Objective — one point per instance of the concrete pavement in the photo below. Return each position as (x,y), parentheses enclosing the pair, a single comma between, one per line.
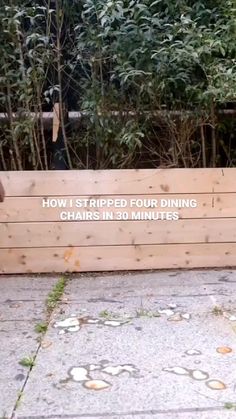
(136,345)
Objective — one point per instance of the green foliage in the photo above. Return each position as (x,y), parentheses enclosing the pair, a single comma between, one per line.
(230,406)
(125,56)
(55,295)
(41,328)
(217,311)
(106,314)
(27,362)
(141,312)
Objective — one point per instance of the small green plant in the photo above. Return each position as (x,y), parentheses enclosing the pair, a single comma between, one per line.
(19,398)
(141,312)
(217,311)
(41,328)
(230,406)
(27,362)
(106,314)
(55,295)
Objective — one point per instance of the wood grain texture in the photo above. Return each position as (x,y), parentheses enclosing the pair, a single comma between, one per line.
(114,182)
(109,258)
(34,239)
(27,209)
(120,233)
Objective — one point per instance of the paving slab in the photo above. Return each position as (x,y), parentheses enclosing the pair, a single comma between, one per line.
(21,307)
(112,350)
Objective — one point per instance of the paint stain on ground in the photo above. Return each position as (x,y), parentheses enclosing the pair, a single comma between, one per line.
(79,374)
(197,375)
(113,323)
(116,370)
(192,352)
(70,324)
(224,350)
(174,314)
(231,317)
(216,385)
(167,311)
(74,324)
(177,370)
(83,374)
(96,384)
(177,317)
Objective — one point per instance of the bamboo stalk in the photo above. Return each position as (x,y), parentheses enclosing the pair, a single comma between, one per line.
(2,158)
(213,136)
(14,141)
(42,129)
(58,50)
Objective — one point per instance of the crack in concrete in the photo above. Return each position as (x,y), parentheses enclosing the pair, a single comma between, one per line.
(21,392)
(130,413)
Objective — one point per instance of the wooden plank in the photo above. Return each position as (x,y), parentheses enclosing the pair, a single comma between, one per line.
(33,239)
(113,182)
(109,258)
(18,209)
(120,233)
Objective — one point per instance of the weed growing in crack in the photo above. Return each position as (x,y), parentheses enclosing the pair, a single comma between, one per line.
(41,328)
(217,311)
(141,312)
(230,406)
(105,314)
(27,362)
(55,295)
(19,399)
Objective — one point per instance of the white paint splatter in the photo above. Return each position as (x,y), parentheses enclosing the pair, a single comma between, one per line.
(230,316)
(186,316)
(115,370)
(94,367)
(79,374)
(73,329)
(112,370)
(167,311)
(69,322)
(129,368)
(193,352)
(200,375)
(177,370)
(113,323)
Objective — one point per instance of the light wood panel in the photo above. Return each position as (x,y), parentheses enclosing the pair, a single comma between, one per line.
(117,233)
(114,182)
(111,258)
(33,239)
(21,209)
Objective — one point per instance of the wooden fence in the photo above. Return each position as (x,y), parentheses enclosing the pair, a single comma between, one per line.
(37,236)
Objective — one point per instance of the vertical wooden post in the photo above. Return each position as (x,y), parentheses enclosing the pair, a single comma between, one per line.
(55,122)
(2,192)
